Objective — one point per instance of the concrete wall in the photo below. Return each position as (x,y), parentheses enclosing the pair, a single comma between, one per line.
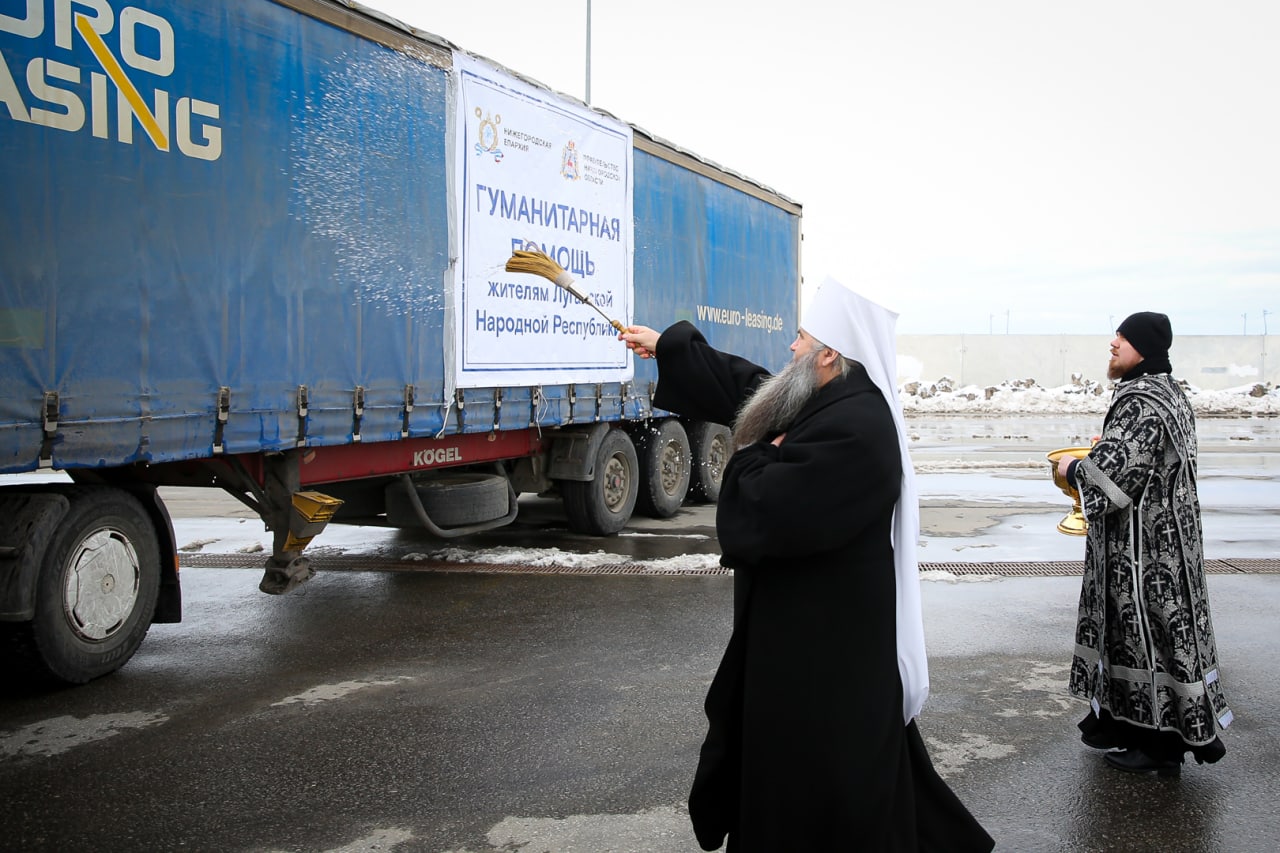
(1212,362)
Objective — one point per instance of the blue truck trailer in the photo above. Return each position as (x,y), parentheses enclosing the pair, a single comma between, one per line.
(258,245)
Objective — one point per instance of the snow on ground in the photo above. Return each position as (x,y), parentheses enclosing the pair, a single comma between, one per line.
(1083,396)
(556,558)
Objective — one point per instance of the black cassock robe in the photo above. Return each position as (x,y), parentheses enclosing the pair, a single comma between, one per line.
(806,747)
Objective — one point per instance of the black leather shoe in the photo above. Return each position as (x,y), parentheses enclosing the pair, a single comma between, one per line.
(1136,761)
(1098,741)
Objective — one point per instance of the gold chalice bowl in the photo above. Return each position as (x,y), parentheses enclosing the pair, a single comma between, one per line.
(1074,523)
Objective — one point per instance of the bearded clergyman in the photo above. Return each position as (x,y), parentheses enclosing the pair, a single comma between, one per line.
(812,742)
(1145,656)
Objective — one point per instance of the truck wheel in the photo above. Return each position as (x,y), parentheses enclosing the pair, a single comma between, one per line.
(710,446)
(603,505)
(97,589)
(663,451)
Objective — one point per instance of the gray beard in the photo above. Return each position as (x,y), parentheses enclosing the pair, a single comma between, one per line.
(777,401)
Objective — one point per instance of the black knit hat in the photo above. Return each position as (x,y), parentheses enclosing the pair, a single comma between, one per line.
(1149,332)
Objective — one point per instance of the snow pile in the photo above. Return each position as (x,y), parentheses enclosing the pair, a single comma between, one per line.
(556,558)
(1081,396)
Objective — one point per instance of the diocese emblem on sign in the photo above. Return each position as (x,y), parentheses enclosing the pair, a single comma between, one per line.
(569,162)
(489,143)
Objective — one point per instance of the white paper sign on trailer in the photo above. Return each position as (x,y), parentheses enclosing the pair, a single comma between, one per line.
(536,171)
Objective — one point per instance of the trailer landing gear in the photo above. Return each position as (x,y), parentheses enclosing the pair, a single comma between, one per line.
(307,515)
(284,574)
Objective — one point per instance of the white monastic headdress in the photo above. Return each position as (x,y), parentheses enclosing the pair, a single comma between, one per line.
(860,329)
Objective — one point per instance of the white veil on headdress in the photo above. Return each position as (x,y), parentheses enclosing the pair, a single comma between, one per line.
(860,329)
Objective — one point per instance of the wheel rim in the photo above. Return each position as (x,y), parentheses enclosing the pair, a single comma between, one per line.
(615,483)
(102,585)
(671,468)
(716,456)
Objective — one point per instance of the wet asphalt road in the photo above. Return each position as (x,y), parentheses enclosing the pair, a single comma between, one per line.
(426,711)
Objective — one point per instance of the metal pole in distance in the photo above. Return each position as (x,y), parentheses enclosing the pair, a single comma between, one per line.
(1262,357)
(588,96)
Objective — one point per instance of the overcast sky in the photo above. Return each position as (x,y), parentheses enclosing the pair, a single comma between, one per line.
(981,166)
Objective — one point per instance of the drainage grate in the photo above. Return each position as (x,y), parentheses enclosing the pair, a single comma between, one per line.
(380,563)
(615,569)
(1244,564)
(1008,569)
(226,561)
(1076,567)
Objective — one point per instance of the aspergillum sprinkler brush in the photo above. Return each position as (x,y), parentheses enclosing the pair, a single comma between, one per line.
(541,264)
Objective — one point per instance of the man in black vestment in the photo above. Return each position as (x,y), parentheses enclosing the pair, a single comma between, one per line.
(1145,656)
(812,742)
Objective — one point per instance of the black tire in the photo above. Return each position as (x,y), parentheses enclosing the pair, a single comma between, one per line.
(663,450)
(96,594)
(451,500)
(710,446)
(458,499)
(603,505)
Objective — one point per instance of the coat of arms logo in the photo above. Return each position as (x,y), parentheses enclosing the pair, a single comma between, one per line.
(569,162)
(489,141)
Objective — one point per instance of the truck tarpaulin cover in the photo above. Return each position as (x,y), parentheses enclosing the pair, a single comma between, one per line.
(209,195)
(239,227)
(717,257)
